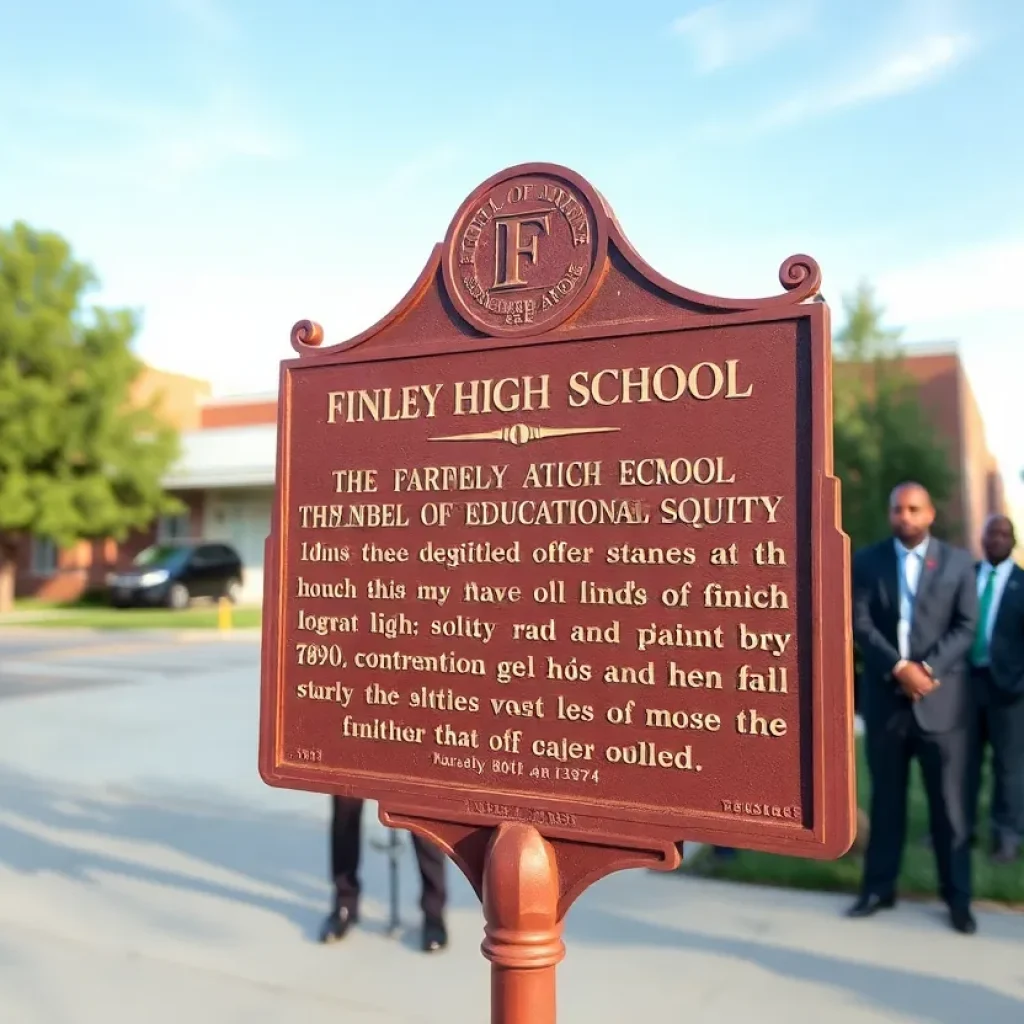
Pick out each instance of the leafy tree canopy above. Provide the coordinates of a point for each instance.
(882, 435)
(77, 458)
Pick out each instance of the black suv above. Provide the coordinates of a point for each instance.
(172, 574)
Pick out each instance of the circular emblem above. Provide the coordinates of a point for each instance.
(521, 254)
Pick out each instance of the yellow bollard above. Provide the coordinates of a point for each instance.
(224, 615)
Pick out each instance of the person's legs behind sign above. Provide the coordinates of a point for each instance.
(346, 850)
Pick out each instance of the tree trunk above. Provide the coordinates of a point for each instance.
(8, 566)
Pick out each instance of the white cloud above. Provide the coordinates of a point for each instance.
(152, 145)
(221, 130)
(418, 169)
(734, 31)
(973, 280)
(234, 329)
(921, 63)
(900, 70)
(971, 296)
(207, 17)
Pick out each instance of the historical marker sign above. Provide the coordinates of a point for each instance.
(557, 542)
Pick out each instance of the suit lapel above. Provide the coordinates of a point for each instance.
(1011, 593)
(890, 577)
(1016, 581)
(933, 558)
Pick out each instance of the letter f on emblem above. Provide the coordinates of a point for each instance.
(509, 247)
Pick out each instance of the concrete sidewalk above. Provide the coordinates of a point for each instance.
(117, 930)
(147, 874)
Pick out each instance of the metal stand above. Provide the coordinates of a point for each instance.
(393, 849)
(527, 884)
(522, 930)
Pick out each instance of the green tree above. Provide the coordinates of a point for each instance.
(882, 434)
(77, 459)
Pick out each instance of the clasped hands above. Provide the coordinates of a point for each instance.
(914, 679)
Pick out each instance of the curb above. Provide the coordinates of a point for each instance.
(246, 635)
(226, 636)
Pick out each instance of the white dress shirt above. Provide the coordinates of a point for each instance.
(910, 562)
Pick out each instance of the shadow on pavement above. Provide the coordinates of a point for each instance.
(285, 856)
(279, 851)
(893, 990)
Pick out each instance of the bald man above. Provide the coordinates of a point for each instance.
(915, 609)
(997, 685)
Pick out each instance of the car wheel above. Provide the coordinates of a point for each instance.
(233, 591)
(178, 596)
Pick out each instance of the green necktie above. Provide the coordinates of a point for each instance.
(979, 652)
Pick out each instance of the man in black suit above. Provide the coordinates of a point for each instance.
(997, 678)
(346, 841)
(915, 608)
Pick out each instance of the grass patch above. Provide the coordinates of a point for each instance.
(92, 617)
(994, 883)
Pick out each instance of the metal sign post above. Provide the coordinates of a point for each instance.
(392, 846)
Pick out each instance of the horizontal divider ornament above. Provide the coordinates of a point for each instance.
(521, 433)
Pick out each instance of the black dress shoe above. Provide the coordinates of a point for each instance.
(337, 924)
(871, 904)
(962, 920)
(435, 935)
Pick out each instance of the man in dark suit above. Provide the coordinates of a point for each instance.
(346, 842)
(915, 608)
(997, 677)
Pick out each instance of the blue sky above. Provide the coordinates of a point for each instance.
(231, 166)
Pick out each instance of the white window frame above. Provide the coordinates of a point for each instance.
(45, 556)
(176, 527)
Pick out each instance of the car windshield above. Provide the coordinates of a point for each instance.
(161, 556)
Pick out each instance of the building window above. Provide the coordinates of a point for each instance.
(44, 556)
(176, 527)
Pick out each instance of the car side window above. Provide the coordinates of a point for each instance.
(201, 558)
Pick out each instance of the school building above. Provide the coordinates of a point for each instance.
(225, 476)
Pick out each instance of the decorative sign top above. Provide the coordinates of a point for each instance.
(521, 253)
(557, 541)
(515, 267)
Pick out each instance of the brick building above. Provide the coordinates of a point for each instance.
(225, 476)
(946, 395)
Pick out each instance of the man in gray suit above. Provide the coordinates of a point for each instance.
(997, 683)
(915, 608)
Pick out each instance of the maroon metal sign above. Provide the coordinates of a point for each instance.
(557, 543)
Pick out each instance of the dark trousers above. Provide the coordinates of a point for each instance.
(999, 724)
(346, 845)
(891, 746)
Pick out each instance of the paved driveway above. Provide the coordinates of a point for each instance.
(146, 873)
(40, 661)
